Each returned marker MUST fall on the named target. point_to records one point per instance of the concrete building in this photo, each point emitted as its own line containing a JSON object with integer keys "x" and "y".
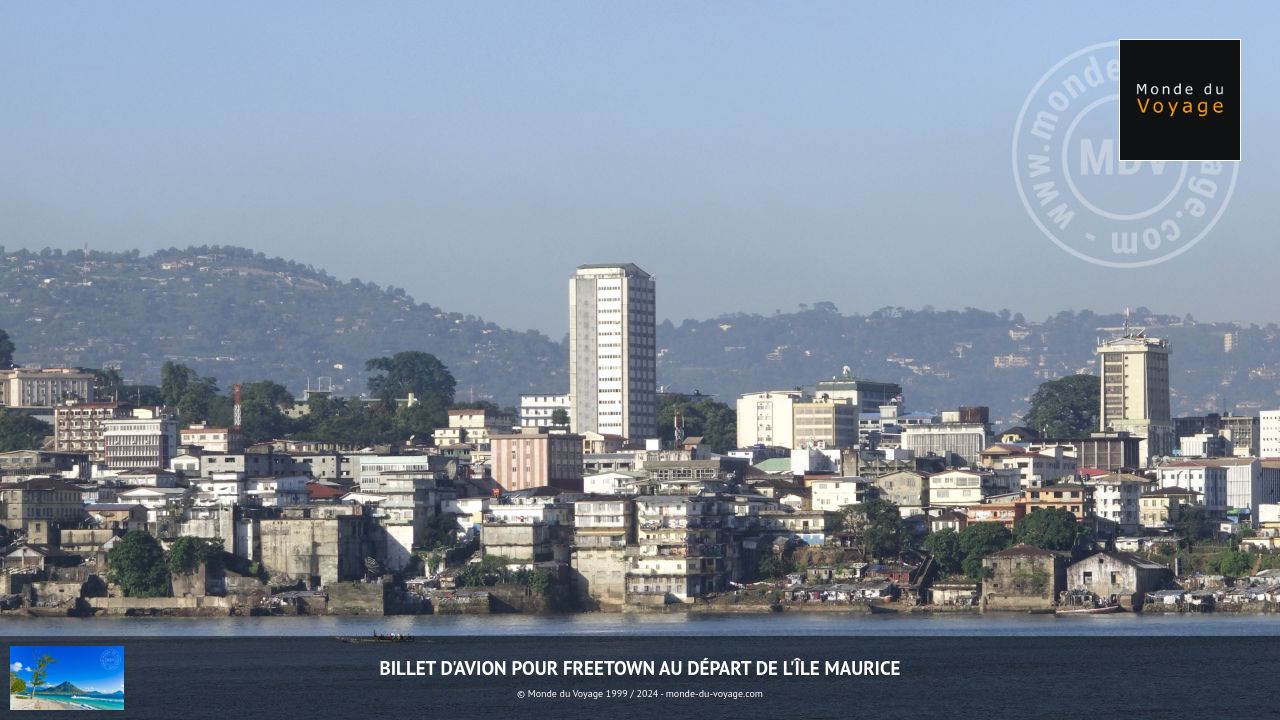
{"x": 1123, "y": 577}
{"x": 148, "y": 440}
{"x": 1269, "y": 434}
{"x": 1207, "y": 479}
{"x": 33, "y": 387}
{"x": 1112, "y": 452}
{"x": 1117, "y": 500}
{"x": 827, "y": 424}
{"x": 212, "y": 439}
{"x": 908, "y": 489}
{"x": 604, "y": 538}
{"x": 765, "y": 418}
{"x": 613, "y": 351}
{"x": 868, "y": 396}
{"x": 683, "y": 551}
{"x": 43, "y": 500}
{"x": 835, "y": 493}
{"x": 536, "y": 410}
{"x": 1160, "y": 509}
{"x": 250, "y": 464}
{"x": 537, "y": 458}
{"x": 77, "y": 426}
{"x": 1034, "y": 467}
{"x": 963, "y": 440}
{"x": 956, "y": 488}
{"x": 1023, "y": 577}
{"x": 317, "y": 545}
{"x": 1244, "y": 433}
{"x": 473, "y": 426}
{"x": 1135, "y": 392}
{"x": 1074, "y": 498}
{"x": 1204, "y": 445}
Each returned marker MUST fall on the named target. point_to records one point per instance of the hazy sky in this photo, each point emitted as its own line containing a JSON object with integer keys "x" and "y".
{"x": 751, "y": 156}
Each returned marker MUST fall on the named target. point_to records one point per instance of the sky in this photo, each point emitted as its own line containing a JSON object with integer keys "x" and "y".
{"x": 751, "y": 156}
{"x": 81, "y": 665}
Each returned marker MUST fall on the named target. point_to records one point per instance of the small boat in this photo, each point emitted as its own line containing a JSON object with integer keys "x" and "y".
{"x": 1041, "y": 611}
{"x": 1102, "y": 610}
{"x": 881, "y": 609}
{"x": 360, "y": 639}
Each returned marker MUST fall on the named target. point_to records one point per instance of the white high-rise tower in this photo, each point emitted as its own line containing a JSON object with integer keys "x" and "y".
{"x": 613, "y": 351}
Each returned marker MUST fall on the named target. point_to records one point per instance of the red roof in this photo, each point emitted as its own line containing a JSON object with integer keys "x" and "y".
{"x": 318, "y": 491}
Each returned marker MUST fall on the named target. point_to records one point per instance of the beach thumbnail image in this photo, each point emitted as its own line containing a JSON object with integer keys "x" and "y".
{"x": 66, "y": 677}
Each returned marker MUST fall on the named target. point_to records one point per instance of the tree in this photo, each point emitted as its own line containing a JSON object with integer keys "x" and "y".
{"x": 16, "y": 684}
{"x": 1066, "y": 407}
{"x": 944, "y": 546}
{"x": 40, "y": 672}
{"x": 6, "y": 351}
{"x": 1234, "y": 563}
{"x": 191, "y": 394}
{"x": 407, "y": 372}
{"x": 560, "y": 417}
{"x": 1193, "y": 524}
{"x": 980, "y": 540}
{"x": 107, "y": 383}
{"x": 1050, "y": 529}
{"x": 187, "y": 553}
{"x": 441, "y": 531}
{"x": 138, "y": 566}
{"x": 20, "y": 431}
{"x": 877, "y": 525}
{"x": 714, "y": 421}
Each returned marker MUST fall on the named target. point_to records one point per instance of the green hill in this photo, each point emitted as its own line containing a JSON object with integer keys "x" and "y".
{"x": 241, "y": 316}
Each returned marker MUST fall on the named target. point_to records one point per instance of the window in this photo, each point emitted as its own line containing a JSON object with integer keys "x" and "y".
{"x": 1088, "y": 577}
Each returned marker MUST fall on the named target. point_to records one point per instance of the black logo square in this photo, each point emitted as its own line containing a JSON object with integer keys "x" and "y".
{"x": 1179, "y": 99}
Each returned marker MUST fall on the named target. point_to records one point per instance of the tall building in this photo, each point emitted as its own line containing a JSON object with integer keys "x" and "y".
{"x": 1269, "y": 434}
{"x": 1243, "y": 431}
{"x": 535, "y": 458}
{"x": 1135, "y": 392}
{"x": 765, "y": 418}
{"x": 77, "y": 427}
{"x": 830, "y": 424}
{"x": 613, "y": 352}
{"x": 146, "y": 441}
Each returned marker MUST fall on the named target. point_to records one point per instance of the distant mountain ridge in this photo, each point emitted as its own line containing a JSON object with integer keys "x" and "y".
{"x": 241, "y": 316}
{"x": 62, "y": 688}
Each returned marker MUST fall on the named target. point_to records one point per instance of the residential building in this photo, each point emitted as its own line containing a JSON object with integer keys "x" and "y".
{"x": 77, "y": 426}
{"x": 961, "y": 487}
{"x": 604, "y": 528}
{"x": 537, "y": 410}
{"x": 826, "y": 424}
{"x": 765, "y": 418}
{"x": 1075, "y": 499}
{"x": 212, "y": 439}
{"x": 1135, "y": 392}
{"x": 43, "y": 500}
{"x": 1209, "y": 480}
{"x": 474, "y": 426}
{"x": 1204, "y": 445}
{"x": 1034, "y": 467}
{"x": 834, "y": 493}
{"x": 963, "y": 440}
{"x": 535, "y": 457}
{"x": 1160, "y": 509}
{"x": 613, "y": 351}
{"x": 1116, "y": 500}
{"x": 34, "y": 387}
{"x": 682, "y": 553}
{"x": 148, "y": 440}
{"x": 908, "y": 489}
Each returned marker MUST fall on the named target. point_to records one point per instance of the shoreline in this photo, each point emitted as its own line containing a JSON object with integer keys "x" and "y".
{"x": 42, "y": 702}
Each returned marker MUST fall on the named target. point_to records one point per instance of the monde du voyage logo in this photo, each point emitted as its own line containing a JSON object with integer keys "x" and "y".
{"x": 1124, "y": 152}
